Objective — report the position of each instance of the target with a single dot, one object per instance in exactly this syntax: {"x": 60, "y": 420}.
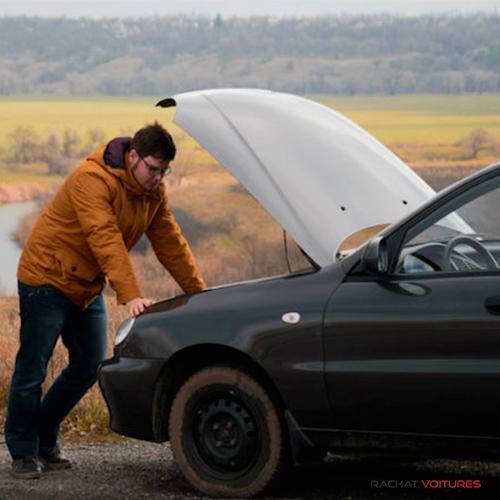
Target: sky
{"x": 239, "y": 8}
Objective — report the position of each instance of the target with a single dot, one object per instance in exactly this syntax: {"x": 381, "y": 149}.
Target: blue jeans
{"x": 46, "y": 313}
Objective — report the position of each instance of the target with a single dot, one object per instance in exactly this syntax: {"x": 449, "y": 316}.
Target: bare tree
{"x": 71, "y": 143}
{"x": 96, "y": 138}
{"x": 476, "y": 141}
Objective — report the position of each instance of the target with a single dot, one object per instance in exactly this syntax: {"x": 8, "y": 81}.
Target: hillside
{"x": 336, "y": 55}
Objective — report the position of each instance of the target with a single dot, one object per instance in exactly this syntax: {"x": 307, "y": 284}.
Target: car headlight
{"x": 123, "y": 330}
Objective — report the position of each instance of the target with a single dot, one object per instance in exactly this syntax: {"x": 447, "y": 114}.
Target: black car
{"x": 390, "y": 347}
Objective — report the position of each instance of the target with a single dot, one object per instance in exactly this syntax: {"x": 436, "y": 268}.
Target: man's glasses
{"x": 155, "y": 171}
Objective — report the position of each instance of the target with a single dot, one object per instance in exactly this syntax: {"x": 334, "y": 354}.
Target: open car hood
{"x": 317, "y": 173}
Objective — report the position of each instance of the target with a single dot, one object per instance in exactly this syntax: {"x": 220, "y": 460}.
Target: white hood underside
{"x": 317, "y": 173}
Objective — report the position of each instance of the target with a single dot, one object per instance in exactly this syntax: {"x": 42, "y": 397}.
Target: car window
{"x": 462, "y": 236}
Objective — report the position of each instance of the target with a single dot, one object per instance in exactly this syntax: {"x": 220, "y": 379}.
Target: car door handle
{"x": 492, "y": 304}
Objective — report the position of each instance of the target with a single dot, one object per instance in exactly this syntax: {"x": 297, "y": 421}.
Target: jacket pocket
{"x": 74, "y": 268}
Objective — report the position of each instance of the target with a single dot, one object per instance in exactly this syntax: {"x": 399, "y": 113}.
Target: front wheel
{"x": 225, "y": 433}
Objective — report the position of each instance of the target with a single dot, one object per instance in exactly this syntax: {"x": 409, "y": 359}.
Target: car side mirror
{"x": 375, "y": 257}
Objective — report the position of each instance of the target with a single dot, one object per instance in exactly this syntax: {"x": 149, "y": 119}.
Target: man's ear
{"x": 133, "y": 156}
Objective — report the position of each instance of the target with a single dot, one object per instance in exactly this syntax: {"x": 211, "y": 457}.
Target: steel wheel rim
{"x": 226, "y": 436}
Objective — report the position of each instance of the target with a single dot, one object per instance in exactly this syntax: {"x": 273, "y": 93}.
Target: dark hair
{"x": 154, "y": 140}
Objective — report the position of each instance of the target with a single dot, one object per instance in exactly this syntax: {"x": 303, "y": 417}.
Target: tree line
{"x": 328, "y": 54}
{"x": 61, "y": 151}
{"x": 58, "y": 151}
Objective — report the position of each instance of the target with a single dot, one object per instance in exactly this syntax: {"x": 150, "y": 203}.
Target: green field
{"x": 401, "y": 118}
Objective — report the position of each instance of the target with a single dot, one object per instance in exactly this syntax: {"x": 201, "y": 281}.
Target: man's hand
{"x": 137, "y": 306}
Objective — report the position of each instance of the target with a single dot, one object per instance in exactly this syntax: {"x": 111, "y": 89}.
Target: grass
{"x": 25, "y": 174}
{"x": 114, "y": 116}
{"x": 414, "y": 118}
{"x": 90, "y": 418}
{"x": 398, "y": 126}
{"x": 459, "y": 105}
{"x": 389, "y": 118}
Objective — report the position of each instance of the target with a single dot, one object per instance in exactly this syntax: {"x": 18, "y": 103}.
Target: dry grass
{"x": 20, "y": 192}
{"x": 89, "y": 420}
{"x": 441, "y": 176}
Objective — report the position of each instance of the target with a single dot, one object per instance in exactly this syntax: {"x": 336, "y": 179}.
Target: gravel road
{"x": 135, "y": 470}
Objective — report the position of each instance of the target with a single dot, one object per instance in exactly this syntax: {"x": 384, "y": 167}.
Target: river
{"x": 10, "y": 252}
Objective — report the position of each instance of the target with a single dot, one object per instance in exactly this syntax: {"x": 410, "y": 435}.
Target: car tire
{"x": 225, "y": 433}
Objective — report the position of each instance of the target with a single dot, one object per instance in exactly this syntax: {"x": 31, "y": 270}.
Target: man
{"x": 80, "y": 243}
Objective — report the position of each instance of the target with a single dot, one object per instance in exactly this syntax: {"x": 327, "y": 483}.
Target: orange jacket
{"x": 83, "y": 236}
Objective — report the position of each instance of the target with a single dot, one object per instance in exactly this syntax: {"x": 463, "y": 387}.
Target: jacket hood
{"x": 114, "y": 158}
{"x": 115, "y": 152}
{"x": 317, "y": 173}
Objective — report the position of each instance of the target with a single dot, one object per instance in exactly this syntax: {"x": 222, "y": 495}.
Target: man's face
{"x": 148, "y": 171}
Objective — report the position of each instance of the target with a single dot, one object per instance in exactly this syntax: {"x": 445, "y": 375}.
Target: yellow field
{"x": 392, "y": 119}
{"x": 399, "y": 126}
{"x": 115, "y": 116}
{"x": 420, "y": 118}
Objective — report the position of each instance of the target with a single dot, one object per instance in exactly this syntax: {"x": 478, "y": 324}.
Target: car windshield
{"x": 466, "y": 233}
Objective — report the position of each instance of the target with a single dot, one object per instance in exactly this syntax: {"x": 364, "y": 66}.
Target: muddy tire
{"x": 225, "y": 433}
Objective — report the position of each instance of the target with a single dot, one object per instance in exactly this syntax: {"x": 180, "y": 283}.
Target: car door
{"x": 417, "y": 350}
